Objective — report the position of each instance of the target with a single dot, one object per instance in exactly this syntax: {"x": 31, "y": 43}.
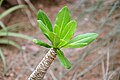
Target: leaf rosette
{"x": 61, "y": 35}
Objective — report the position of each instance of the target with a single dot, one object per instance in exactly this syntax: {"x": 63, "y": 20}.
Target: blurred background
{"x": 19, "y": 55}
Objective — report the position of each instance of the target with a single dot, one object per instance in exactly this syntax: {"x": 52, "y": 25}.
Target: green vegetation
{"x": 61, "y": 35}
{"x": 3, "y": 60}
{"x": 5, "y": 33}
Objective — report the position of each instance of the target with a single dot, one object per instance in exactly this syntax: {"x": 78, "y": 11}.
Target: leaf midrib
{"x": 44, "y": 20}
{"x": 67, "y": 32}
{"x": 62, "y": 22}
{"x": 78, "y": 41}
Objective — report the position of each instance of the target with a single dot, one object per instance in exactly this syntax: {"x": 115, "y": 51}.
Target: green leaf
{"x": 43, "y": 17}
{"x": 54, "y": 39}
{"x": 81, "y": 40}
{"x": 1, "y": 1}
{"x": 5, "y": 13}
{"x": 63, "y": 60}
{"x": 9, "y": 42}
{"x": 69, "y": 30}
{"x": 43, "y": 28}
{"x": 39, "y": 42}
{"x": 62, "y": 42}
{"x": 2, "y": 25}
{"x": 3, "y": 60}
{"x": 11, "y": 27}
{"x": 63, "y": 17}
{"x": 57, "y": 29}
{"x": 15, "y": 35}
{"x": 77, "y": 45}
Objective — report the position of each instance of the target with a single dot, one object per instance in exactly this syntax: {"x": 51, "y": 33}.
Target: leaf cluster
{"x": 61, "y": 35}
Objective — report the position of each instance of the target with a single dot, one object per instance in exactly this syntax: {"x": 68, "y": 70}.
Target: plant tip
{"x": 96, "y": 35}
{"x": 34, "y": 40}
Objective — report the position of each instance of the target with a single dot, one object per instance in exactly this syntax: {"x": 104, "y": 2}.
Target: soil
{"x": 20, "y": 63}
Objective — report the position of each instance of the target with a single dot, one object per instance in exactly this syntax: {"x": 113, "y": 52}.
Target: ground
{"x": 87, "y": 62}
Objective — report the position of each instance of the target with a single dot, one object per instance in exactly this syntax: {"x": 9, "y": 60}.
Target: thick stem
{"x": 41, "y": 69}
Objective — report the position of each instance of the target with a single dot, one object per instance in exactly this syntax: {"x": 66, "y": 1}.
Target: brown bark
{"x": 41, "y": 69}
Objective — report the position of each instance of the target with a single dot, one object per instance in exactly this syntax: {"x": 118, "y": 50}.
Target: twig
{"x": 113, "y": 73}
{"x": 31, "y": 6}
{"x": 95, "y": 63}
{"x": 107, "y": 66}
{"x": 103, "y": 70}
{"x": 28, "y": 13}
{"x": 74, "y": 76}
{"x": 43, "y": 66}
{"x": 53, "y": 76}
{"x": 105, "y": 73}
{"x": 110, "y": 13}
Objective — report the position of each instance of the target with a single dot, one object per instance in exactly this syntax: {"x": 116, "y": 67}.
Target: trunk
{"x": 40, "y": 71}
